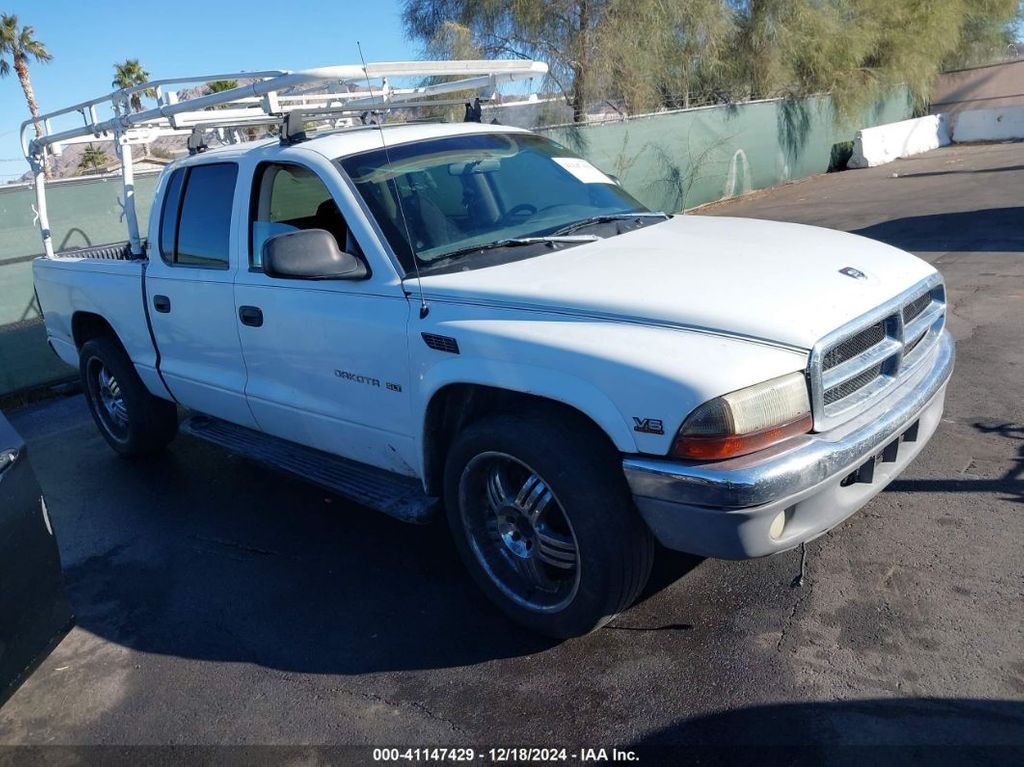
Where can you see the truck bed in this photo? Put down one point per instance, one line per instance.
(105, 281)
(115, 251)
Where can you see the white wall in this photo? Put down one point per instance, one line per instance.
(996, 124)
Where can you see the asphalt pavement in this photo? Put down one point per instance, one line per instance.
(219, 603)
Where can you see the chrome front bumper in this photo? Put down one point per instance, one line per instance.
(726, 509)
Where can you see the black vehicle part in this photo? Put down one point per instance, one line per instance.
(559, 511)
(133, 421)
(397, 496)
(34, 610)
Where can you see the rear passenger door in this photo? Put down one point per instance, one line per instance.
(190, 292)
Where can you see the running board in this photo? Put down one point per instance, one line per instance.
(397, 496)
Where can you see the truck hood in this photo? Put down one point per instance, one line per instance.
(763, 280)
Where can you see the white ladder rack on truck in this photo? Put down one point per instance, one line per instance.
(272, 98)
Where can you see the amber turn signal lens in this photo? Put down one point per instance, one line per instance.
(711, 448)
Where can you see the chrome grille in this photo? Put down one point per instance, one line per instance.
(913, 344)
(853, 367)
(853, 347)
(915, 307)
(848, 387)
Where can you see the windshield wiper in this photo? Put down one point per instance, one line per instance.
(607, 218)
(513, 242)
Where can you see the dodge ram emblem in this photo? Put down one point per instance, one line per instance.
(857, 274)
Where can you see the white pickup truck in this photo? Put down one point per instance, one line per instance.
(471, 317)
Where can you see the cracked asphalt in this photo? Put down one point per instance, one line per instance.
(218, 603)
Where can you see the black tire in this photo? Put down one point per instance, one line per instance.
(583, 479)
(130, 418)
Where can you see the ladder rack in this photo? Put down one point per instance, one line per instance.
(272, 98)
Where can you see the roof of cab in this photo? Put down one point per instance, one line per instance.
(349, 141)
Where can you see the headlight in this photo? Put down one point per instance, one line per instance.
(746, 420)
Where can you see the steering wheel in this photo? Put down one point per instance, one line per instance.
(523, 210)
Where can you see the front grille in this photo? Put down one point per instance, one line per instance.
(852, 347)
(912, 310)
(913, 344)
(852, 385)
(851, 368)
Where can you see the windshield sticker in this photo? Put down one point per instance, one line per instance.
(583, 170)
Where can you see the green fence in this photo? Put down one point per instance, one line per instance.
(677, 160)
(82, 212)
(670, 161)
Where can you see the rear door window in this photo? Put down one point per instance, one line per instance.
(169, 215)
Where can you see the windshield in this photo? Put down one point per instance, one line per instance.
(479, 189)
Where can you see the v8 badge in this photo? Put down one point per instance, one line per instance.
(648, 425)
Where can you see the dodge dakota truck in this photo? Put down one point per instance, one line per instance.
(471, 320)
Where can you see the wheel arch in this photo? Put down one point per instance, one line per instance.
(86, 326)
(456, 404)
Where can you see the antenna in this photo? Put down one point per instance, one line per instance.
(424, 308)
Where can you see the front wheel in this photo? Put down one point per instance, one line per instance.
(543, 520)
(131, 419)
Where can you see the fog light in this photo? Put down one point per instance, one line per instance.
(778, 525)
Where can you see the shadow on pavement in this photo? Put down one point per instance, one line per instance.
(335, 593)
(228, 562)
(1011, 483)
(820, 731)
(927, 173)
(986, 230)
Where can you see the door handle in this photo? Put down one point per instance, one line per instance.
(162, 304)
(251, 316)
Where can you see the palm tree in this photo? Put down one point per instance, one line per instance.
(218, 86)
(20, 44)
(128, 74)
(93, 157)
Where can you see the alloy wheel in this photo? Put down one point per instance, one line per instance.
(109, 399)
(519, 532)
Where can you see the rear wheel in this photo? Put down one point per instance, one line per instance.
(542, 517)
(130, 418)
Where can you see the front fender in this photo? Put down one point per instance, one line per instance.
(636, 382)
(555, 385)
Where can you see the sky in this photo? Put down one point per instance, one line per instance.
(86, 39)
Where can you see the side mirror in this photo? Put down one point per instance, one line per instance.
(310, 254)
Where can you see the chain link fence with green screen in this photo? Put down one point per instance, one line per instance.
(82, 212)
